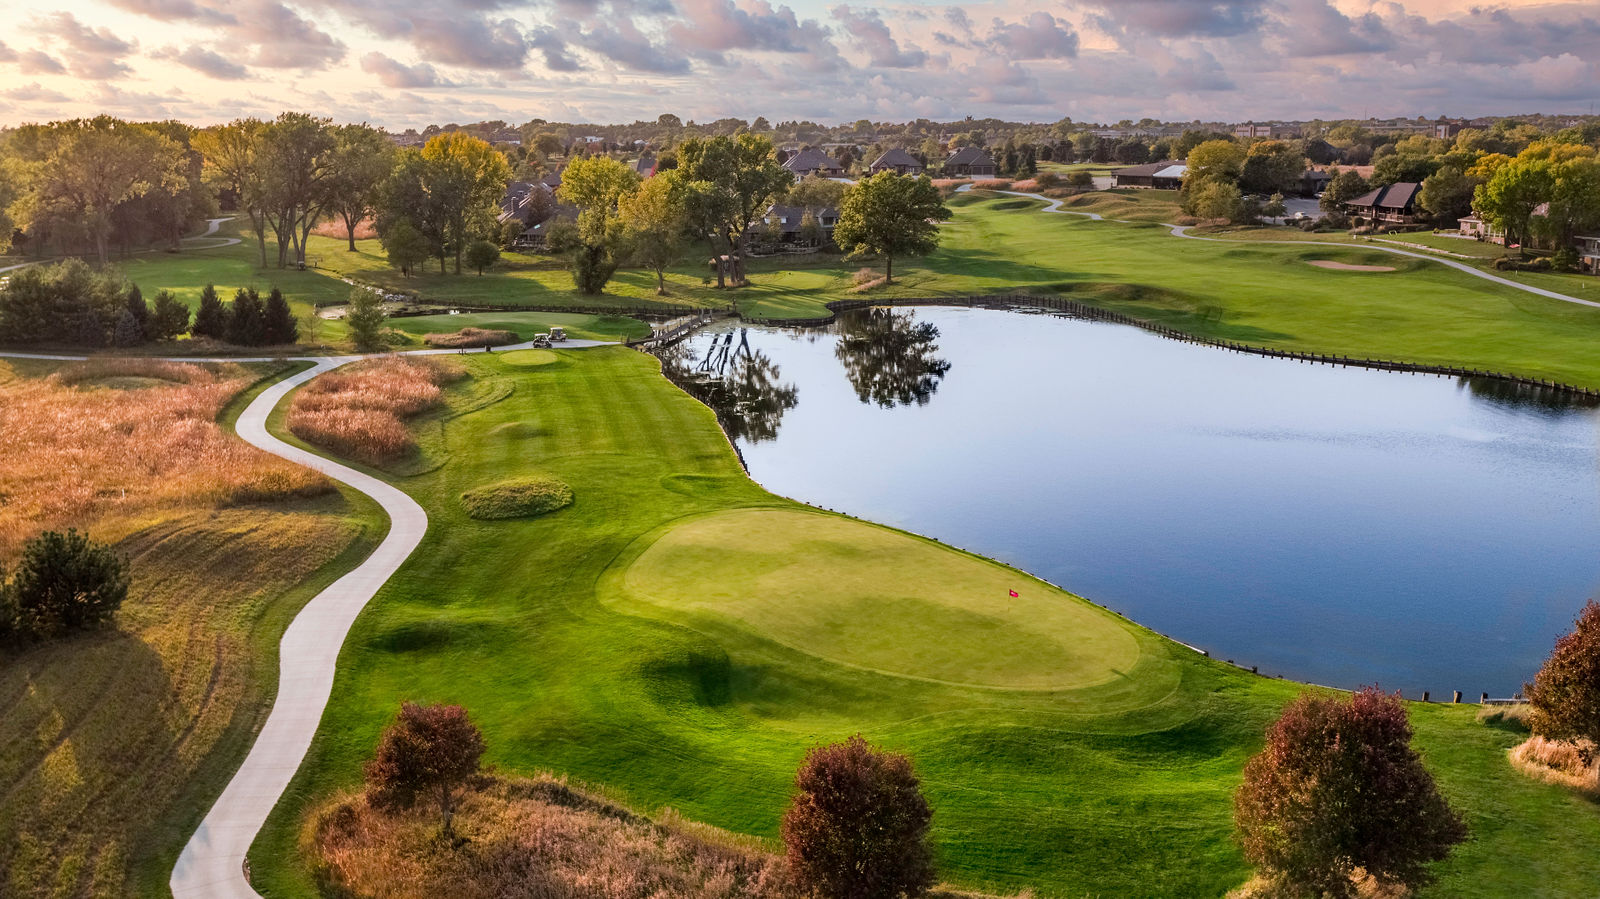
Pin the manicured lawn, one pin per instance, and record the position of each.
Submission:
(526, 324)
(680, 637)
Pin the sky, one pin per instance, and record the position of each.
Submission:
(408, 63)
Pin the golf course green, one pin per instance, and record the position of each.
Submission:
(678, 637)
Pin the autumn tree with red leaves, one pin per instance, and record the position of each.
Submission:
(428, 753)
(858, 828)
(1338, 787)
(1566, 693)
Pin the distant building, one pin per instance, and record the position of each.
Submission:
(1394, 204)
(813, 161)
(1474, 226)
(1157, 175)
(969, 162)
(898, 161)
(787, 220)
(1252, 130)
(1588, 247)
(1313, 181)
(645, 165)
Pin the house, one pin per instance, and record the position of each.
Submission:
(1251, 130)
(813, 161)
(898, 161)
(787, 220)
(552, 180)
(1393, 204)
(515, 197)
(1588, 247)
(969, 162)
(1473, 226)
(1158, 175)
(645, 165)
(1313, 182)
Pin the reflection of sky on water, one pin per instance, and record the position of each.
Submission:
(1340, 526)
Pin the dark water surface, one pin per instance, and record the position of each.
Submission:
(1338, 526)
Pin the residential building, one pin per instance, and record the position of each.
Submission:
(969, 162)
(1251, 130)
(1394, 204)
(1157, 175)
(1588, 247)
(787, 220)
(1474, 226)
(645, 165)
(898, 161)
(813, 161)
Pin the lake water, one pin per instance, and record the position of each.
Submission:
(1332, 525)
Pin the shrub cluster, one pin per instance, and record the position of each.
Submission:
(64, 583)
(73, 304)
(518, 498)
(359, 413)
(470, 337)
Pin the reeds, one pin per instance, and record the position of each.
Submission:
(470, 337)
(360, 412)
(1572, 765)
(122, 438)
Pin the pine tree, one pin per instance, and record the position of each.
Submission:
(211, 319)
(281, 328)
(247, 325)
(127, 333)
(169, 317)
(140, 312)
(365, 318)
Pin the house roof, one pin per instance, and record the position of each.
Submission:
(1172, 170)
(810, 161)
(1140, 171)
(896, 157)
(970, 156)
(1398, 195)
(645, 164)
(793, 214)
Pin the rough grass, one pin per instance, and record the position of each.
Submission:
(78, 450)
(470, 337)
(1119, 789)
(113, 743)
(524, 497)
(1571, 765)
(359, 412)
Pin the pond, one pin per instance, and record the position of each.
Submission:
(1332, 525)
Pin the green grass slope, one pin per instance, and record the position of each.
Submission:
(680, 636)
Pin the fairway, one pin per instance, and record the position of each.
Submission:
(889, 602)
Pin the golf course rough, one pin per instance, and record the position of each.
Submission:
(517, 498)
(844, 591)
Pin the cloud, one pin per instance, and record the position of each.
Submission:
(38, 62)
(95, 54)
(1181, 18)
(34, 93)
(204, 61)
(448, 32)
(174, 11)
(281, 38)
(393, 73)
(6, 53)
(1039, 36)
(622, 42)
(718, 25)
(554, 49)
(872, 36)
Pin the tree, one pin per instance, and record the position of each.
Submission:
(278, 324)
(139, 310)
(429, 752)
(247, 321)
(67, 302)
(66, 582)
(1216, 160)
(596, 185)
(1447, 194)
(363, 156)
(745, 173)
(1275, 207)
(655, 223)
(1565, 695)
(1338, 787)
(365, 319)
(888, 215)
(295, 155)
(405, 246)
(127, 333)
(511, 230)
(231, 157)
(1215, 200)
(481, 254)
(1510, 193)
(816, 192)
(1272, 166)
(858, 825)
(211, 319)
(1342, 188)
(169, 318)
(1131, 151)
(466, 178)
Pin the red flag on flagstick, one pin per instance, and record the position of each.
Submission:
(1013, 593)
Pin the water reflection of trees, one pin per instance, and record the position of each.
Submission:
(741, 385)
(1529, 397)
(889, 357)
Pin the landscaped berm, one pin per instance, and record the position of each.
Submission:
(678, 638)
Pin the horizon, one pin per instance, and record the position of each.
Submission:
(619, 61)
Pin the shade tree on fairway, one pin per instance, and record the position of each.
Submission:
(890, 214)
(428, 754)
(593, 245)
(858, 825)
(1336, 789)
(655, 223)
(731, 181)
(405, 246)
(481, 254)
(362, 158)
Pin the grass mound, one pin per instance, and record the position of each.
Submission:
(517, 498)
(470, 337)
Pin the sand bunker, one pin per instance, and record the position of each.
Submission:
(1347, 267)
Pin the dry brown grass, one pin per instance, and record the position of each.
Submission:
(1572, 765)
(470, 337)
(366, 229)
(1030, 185)
(359, 412)
(1367, 887)
(992, 184)
(113, 442)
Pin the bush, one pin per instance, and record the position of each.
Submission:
(1080, 179)
(1046, 180)
(1565, 695)
(470, 337)
(67, 302)
(858, 828)
(428, 753)
(64, 583)
(517, 498)
(1338, 787)
(480, 254)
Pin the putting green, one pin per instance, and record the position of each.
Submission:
(868, 597)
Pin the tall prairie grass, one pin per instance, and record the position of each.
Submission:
(470, 337)
(360, 412)
(79, 451)
(366, 229)
(1572, 765)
